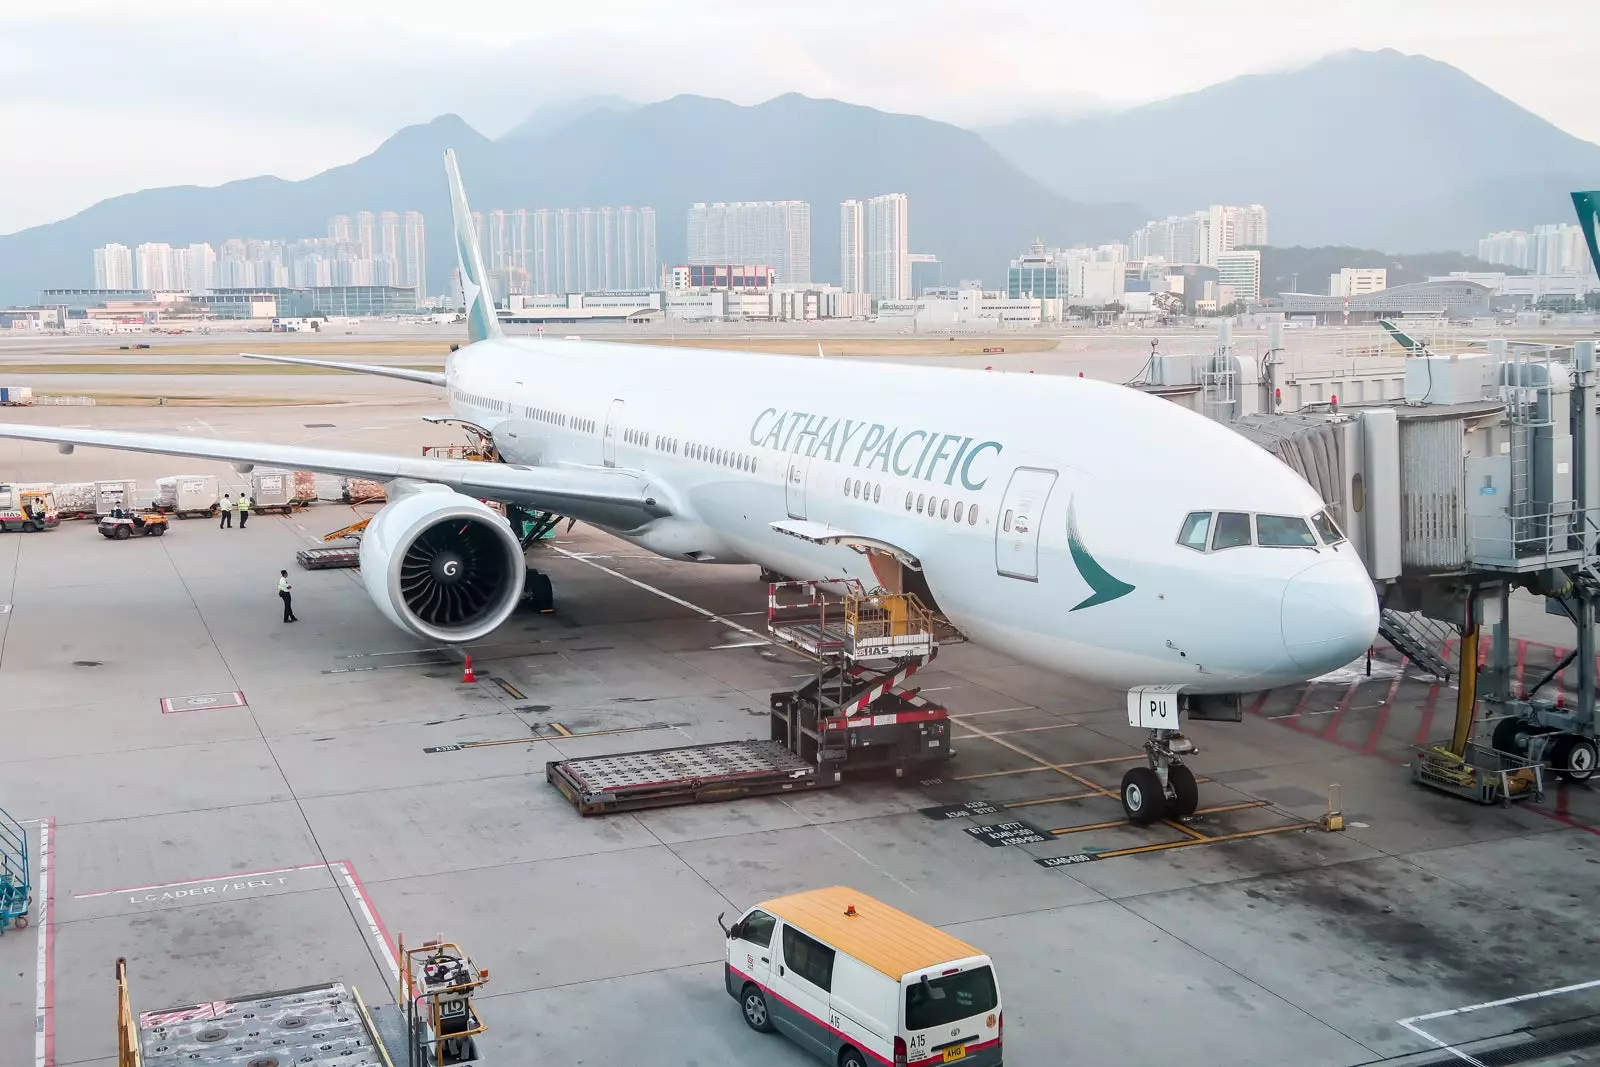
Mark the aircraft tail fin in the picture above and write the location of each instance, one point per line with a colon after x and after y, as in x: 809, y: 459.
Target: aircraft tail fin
x: 1404, y: 340
x: 482, y: 322
x: 1588, y: 208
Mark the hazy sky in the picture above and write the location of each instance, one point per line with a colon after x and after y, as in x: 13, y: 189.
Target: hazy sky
x: 99, y: 97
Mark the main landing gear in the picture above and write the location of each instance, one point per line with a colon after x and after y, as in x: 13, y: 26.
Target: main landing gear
x: 1166, y: 788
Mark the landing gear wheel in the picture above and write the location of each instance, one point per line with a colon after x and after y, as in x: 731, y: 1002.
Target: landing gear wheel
x: 754, y: 1007
x: 1185, y: 790
x: 1578, y: 760
x: 1143, y: 802
x: 1505, y: 736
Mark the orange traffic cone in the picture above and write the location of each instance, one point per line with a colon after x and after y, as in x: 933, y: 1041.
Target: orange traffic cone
x: 467, y: 676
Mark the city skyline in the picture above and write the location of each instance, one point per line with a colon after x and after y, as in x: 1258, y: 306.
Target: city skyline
x: 370, y: 248
x: 775, y: 233
x: 569, y: 250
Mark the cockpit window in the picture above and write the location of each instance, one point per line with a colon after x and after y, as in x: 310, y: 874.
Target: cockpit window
x: 1195, y: 530
x: 1284, y: 531
x: 1326, y: 529
x: 1232, y: 530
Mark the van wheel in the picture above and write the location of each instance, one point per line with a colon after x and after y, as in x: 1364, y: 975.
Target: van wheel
x: 851, y: 1058
x: 754, y: 1006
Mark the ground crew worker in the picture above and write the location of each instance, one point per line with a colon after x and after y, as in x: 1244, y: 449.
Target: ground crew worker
x: 244, y: 508
x: 283, y: 594
x: 227, y: 513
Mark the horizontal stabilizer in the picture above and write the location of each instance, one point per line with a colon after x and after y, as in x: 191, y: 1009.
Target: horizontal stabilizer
x: 426, y: 377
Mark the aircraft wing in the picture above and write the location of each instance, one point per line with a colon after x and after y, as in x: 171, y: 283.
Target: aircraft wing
x: 424, y: 376
x: 611, y: 497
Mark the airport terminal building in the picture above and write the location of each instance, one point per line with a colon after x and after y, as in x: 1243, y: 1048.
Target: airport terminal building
x: 1444, y: 298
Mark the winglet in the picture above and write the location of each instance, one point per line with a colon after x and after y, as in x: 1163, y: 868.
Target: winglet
x: 482, y: 322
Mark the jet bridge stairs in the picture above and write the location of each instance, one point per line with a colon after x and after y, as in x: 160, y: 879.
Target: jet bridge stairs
x: 858, y: 712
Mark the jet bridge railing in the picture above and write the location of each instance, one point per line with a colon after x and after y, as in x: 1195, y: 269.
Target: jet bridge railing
x: 1533, y: 539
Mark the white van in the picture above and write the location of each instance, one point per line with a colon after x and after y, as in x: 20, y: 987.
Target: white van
x: 859, y: 983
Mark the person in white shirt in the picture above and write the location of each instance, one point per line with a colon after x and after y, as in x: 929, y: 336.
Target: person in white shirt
x: 283, y: 594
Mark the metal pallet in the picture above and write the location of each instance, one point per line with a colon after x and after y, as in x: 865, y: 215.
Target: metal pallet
x: 659, y: 778
x: 322, y: 559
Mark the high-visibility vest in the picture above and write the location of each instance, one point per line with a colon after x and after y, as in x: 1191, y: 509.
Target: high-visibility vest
x: 244, y: 503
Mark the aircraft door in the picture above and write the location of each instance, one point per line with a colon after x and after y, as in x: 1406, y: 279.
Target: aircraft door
x: 795, y: 485
x: 608, y: 439
x: 1016, y: 535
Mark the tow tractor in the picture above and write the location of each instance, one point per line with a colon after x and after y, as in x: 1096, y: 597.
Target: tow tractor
x: 116, y: 527
x: 857, y: 712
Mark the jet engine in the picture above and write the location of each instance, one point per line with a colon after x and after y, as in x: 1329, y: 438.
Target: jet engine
x: 442, y: 565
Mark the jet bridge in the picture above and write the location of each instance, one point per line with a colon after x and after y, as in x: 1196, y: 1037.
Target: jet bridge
x: 858, y: 712
x: 1485, y: 479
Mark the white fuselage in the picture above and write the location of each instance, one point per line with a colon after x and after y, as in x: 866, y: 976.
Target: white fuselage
x: 734, y: 441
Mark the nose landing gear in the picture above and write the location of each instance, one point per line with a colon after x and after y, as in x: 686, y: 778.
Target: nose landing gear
x: 1166, y: 788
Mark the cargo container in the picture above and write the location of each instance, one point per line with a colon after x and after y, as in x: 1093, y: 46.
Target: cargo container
x: 189, y: 496
x: 361, y: 490
x: 75, y: 500
x: 271, y: 490
x: 111, y: 495
x: 305, y: 487
x: 14, y: 395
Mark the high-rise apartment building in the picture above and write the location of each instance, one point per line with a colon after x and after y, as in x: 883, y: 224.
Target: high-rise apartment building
x: 571, y: 250
x: 776, y: 232
x: 1241, y: 270
x: 413, y: 252
x: 888, y: 239
x: 1202, y: 236
x: 113, y: 267
x: 1553, y: 248
x: 853, y: 247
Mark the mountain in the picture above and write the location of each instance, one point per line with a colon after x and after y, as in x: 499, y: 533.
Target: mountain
x: 551, y: 117
x: 967, y: 204
x: 1284, y: 269
x: 1373, y: 149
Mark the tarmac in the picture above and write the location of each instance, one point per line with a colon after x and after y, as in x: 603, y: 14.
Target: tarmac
x: 236, y: 805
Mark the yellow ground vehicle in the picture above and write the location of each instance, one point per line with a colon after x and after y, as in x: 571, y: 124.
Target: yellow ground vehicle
x: 121, y: 527
x: 28, y: 507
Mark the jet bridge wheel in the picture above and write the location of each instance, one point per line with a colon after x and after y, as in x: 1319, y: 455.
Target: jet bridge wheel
x: 1575, y: 758
x: 1507, y: 734
x: 1185, y: 790
x: 1143, y: 800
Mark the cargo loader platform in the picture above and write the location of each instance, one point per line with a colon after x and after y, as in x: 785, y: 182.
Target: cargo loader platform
x: 856, y: 713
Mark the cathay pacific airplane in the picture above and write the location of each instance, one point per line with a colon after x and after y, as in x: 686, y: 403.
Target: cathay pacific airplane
x: 1079, y: 526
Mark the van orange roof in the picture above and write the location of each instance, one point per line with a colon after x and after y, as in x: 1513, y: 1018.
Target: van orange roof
x: 884, y: 938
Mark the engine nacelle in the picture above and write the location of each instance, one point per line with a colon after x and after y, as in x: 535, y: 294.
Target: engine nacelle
x: 442, y: 565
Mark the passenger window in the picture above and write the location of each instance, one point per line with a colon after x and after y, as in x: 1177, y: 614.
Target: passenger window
x: 808, y: 958
x: 1195, y: 529
x: 908, y: 501
x: 920, y: 499
x: 972, y: 515
x: 1326, y: 529
x: 756, y: 928
x: 958, y: 511
x: 944, y: 508
x: 1233, y: 530
x: 1284, y: 531
x: 1005, y: 523
x: 877, y: 493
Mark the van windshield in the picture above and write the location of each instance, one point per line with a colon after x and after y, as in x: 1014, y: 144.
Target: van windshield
x: 966, y: 994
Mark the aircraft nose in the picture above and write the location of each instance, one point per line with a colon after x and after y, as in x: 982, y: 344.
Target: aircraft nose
x: 1330, y: 615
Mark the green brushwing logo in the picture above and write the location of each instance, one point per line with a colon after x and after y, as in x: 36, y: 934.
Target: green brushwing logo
x: 1105, y: 587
